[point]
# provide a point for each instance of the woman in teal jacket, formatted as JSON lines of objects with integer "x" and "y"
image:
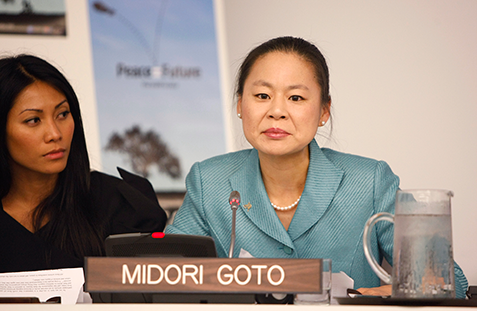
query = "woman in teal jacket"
{"x": 297, "y": 199}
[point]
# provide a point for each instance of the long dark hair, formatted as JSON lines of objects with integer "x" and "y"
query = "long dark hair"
{"x": 72, "y": 221}
{"x": 298, "y": 46}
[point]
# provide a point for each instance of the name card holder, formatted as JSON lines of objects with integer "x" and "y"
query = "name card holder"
{"x": 202, "y": 275}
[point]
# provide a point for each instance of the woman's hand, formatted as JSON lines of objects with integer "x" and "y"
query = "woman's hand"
{"x": 384, "y": 290}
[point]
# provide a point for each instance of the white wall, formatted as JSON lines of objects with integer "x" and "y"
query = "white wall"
{"x": 403, "y": 83}
{"x": 72, "y": 56}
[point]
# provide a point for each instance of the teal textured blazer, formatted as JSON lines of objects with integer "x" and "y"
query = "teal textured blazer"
{"x": 342, "y": 192}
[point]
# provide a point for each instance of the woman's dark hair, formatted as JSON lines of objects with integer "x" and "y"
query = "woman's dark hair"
{"x": 71, "y": 226}
{"x": 298, "y": 46}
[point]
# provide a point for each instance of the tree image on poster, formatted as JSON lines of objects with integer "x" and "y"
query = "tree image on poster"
{"x": 145, "y": 150}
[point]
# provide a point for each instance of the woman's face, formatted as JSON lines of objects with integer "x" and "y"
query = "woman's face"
{"x": 39, "y": 131}
{"x": 281, "y": 104}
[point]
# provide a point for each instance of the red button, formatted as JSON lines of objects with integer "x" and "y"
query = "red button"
{"x": 158, "y": 235}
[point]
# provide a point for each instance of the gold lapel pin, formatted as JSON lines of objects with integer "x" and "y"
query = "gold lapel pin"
{"x": 248, "y": 206}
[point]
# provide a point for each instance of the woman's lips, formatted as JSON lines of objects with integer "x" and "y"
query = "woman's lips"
{"x": 276, "y": 133}
{"x": 55, "y": 154}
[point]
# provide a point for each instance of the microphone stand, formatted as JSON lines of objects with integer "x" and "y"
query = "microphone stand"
{"x": 232, "y": 241}
{"x": 234, "y": 201}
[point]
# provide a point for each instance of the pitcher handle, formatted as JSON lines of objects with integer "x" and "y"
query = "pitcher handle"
{"x": 380, "y": 272}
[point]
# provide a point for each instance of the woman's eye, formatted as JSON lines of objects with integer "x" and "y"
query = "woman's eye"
{"x": 262, "y": 96}
{"x": 64, "y": 114}
{"x": 296, "y": 98}
{"x": 32, "y": 121}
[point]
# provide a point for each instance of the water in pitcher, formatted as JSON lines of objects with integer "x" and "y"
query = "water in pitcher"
{"x": 423, "y": 241}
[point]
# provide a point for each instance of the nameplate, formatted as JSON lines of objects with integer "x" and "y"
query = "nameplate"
{"x": 202, "y": 275}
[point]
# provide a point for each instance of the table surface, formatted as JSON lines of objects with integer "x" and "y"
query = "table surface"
{"x": 205, "y": 307}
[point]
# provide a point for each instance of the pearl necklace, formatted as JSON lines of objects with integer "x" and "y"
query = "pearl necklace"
{"x": 286, "y": 208}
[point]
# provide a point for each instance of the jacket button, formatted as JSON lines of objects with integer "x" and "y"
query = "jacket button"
{"x": 287, "y": 250}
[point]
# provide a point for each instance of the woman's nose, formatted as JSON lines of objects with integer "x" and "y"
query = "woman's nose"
{"x": 278, "y": 109}
{"x": 53, "y": 132}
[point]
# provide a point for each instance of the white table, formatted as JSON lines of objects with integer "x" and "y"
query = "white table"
{"x": 207, "y": 307}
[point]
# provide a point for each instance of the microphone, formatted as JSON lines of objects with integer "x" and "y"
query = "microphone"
{"x": 234, "y": 201}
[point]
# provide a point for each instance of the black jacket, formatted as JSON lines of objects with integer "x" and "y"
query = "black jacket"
{"x": 124, "y": 205}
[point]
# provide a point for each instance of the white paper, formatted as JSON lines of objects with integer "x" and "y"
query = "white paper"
{"x": 84, "y": 297}
{"x": 340, "y": 281}
{"x": 245, "y": 254}
{"x": 44, "y": 284}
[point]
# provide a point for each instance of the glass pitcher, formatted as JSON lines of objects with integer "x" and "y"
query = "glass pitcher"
{"x": 423, "y": 264}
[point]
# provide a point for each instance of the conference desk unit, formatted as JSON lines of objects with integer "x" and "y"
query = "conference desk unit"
{"x": 130, "y": 275}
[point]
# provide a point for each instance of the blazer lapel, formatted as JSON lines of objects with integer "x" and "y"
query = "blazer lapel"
{"x": 322, "y": 182}
{"x": 254, "y": 200}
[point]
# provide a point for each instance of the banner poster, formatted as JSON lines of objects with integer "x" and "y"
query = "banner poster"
{"x": 157, "y": 86}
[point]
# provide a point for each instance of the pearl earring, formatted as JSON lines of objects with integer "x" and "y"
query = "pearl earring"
{"x": 239, "y": 115}
{"x": 323, "y": 123}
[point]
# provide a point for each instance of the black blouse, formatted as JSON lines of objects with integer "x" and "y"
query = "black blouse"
{"x": 125, "y": 205}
